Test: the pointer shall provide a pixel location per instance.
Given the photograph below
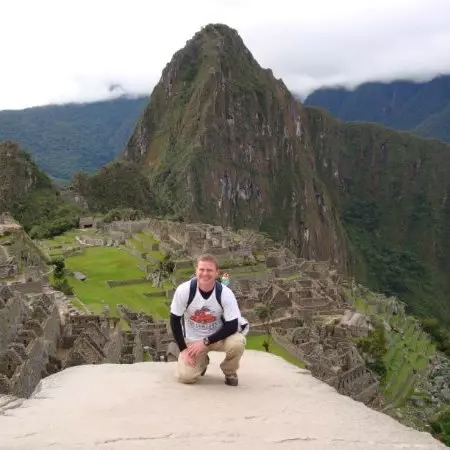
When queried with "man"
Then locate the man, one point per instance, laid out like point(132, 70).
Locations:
point(208, 325)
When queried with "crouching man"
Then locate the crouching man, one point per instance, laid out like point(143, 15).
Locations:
point(211, 317)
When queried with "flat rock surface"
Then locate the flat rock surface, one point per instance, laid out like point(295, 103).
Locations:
point(141, 406)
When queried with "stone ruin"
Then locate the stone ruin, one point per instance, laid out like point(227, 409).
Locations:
point(90, 339)
point(150, 336)
point(190, 240)
point(36, 339)
point(29, 335)
point(310, 317)
point(8, 264)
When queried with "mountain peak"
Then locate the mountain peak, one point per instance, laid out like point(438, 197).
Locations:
point(226, 142)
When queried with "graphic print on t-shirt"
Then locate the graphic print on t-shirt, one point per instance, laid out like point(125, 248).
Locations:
point(203, 319)
point(203, 315)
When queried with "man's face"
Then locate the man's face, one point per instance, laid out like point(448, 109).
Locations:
point(206, 273)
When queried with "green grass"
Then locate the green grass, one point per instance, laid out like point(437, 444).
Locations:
point(407, 355)
point(405, 360)
point(68, 238)
point(136, 244)
point(108, 263)
point(147, 238)
point(254, 342)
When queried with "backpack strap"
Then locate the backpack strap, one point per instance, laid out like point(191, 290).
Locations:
point(219, 287)
point(192, 291)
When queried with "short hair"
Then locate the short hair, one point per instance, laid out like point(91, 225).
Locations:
point(207, 257)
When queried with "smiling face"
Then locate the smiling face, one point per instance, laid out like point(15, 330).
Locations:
point(206, 273)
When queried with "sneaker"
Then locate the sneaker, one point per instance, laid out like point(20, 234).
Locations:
point(207, 362)
point(231, 380)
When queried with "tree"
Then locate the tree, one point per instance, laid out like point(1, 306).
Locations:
point(264, 314)
point(164, 270)
point(60, 265)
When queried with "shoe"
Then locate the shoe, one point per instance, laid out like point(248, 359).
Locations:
point(207, 362)
point(231, 380)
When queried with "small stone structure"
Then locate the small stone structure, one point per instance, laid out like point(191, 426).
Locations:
point(86, 222)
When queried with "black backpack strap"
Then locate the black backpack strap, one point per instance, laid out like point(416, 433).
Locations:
point(219, 287)
point(192, 292)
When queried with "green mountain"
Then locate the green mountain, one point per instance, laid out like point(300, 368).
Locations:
point(423, 108)
point(223, 141)
point(66, 138)
point(391, 189)
point(30, 195)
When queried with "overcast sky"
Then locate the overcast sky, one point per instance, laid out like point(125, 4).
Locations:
point(64, 50)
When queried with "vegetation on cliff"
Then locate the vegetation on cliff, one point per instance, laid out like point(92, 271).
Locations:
point(391, 192)
point(30, 196)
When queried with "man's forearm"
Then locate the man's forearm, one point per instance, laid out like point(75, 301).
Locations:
point(177, 331)
point(227, 329)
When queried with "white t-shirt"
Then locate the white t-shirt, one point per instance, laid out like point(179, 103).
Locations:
point(204, 316)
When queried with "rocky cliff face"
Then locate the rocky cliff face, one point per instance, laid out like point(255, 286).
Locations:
point(18, 175)
point(227, 143)
point(30, 196)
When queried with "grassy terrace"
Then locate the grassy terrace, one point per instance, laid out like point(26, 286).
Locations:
point(100, 264)
point(407, 357)
point(255, 342)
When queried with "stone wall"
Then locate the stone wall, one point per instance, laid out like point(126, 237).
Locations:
point(52, 330)
point(113, 348)
point(293, 350)
point(8, 271)
point(28, 375)
point(32, 337)
point(138, 349)
point(11, 317)
point(29, 287)
point(115, 283)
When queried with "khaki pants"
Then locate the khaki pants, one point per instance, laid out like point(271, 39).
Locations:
point(233, 346)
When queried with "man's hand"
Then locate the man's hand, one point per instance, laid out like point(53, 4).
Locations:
point(192, 351)
point(187, 357)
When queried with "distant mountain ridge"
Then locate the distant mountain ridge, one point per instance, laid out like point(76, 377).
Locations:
point(421, 108)
point(64, 139)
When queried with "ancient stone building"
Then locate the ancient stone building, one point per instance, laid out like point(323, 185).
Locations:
point(29, 336)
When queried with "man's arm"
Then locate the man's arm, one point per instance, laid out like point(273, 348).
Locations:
point(229, 327)
point(177, 309)
point(231, 314)
point(177, 331)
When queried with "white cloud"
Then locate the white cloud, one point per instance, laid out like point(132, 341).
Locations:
point(56, 51)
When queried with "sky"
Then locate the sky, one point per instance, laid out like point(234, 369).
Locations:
point(58, 51)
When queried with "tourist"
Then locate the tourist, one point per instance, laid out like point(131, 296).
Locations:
point(211, 317)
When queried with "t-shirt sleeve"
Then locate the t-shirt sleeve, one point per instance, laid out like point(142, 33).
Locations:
point(179, 301)
point(230, 305)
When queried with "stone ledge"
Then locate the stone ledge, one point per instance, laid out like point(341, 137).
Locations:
point(126, 406)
